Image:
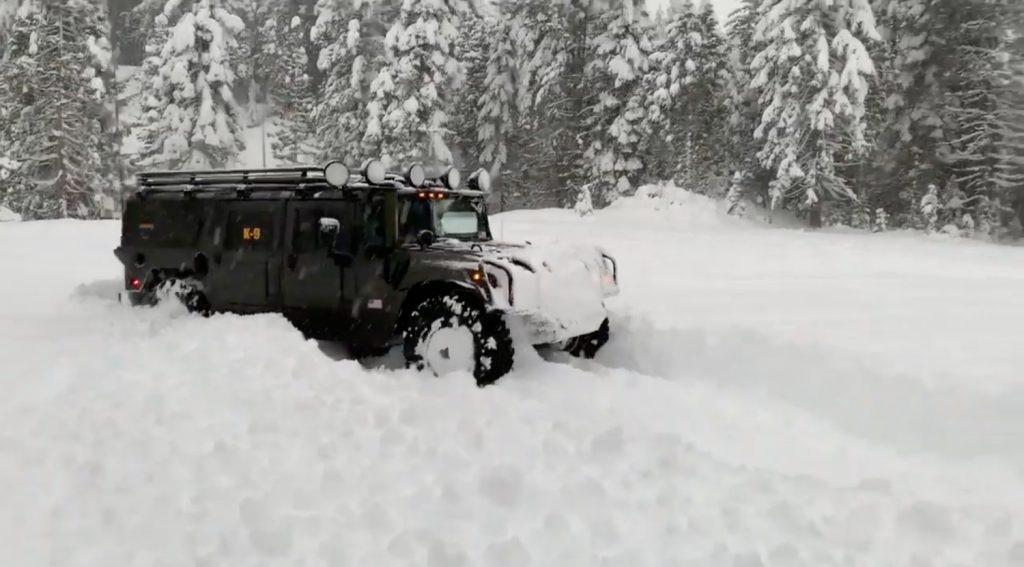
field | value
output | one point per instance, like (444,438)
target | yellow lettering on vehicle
(251,233)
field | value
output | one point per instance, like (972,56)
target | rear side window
(158,222)
(251,230)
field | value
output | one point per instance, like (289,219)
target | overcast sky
(723,7)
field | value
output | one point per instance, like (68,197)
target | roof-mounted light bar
(416,175)
(480,181)
(337,174)
(452,178)
(374,171)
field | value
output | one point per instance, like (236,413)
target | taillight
(135,284)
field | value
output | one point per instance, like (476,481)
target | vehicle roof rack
(278,178)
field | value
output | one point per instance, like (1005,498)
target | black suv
(372,260)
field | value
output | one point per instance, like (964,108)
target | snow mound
(668,204)
(652,207)
(7,215)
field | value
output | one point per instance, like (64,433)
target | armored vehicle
(372,259)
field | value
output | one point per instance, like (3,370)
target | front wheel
(451,333)
(586,346)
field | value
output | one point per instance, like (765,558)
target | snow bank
(746,412)
(7,215)
(668,204)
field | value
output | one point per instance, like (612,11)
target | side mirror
(329,229)
(333,238)
(426,238)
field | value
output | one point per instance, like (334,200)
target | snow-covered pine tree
(975,109)
(687,99)
(288,86)
(409,96)
(348,58)
(709,134)
(952,96)
(472,48)
(250,59)
(1010,97)
(615,122)
(811,76)
(740,100)
(496,105)
(8,8)
(57,52)
(190,116)
(543,138)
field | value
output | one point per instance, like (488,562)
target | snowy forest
(866,113)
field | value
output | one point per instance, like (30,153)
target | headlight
(611,270)
(500,281)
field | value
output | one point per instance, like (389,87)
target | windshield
(457,217)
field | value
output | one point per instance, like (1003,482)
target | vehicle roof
(277,183)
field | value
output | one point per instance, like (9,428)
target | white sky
(723,7)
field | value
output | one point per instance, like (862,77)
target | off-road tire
(587,346)
(493,350)
(188,292)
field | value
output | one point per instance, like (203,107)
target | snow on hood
(558,288)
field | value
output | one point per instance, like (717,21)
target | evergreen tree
(1010,96)
(472,50)
(497,103)
(516,131)
(740,100)
(616,119)
(687,99)
(51,126)
(288,87)
(190,116)
(407,111)
(812,79)
(952,95)
(347,59)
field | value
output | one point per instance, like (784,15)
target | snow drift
(769,397)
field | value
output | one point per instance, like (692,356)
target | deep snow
(770,397)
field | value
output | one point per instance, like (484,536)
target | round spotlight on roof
(480,181)
(452,178)
(374,171)
(336,173)
(416,175)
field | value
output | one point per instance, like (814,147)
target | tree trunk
(815,216)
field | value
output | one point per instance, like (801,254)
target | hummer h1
(372,259)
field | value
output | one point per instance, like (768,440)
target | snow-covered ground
(770,397)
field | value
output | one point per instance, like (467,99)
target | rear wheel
(188,292)
(586,346)
(451,333)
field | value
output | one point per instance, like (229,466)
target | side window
(307,226)
(164,222)
(416,216)
(250,230)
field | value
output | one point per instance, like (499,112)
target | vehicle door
(380,267)
(312,279)
(248,272)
